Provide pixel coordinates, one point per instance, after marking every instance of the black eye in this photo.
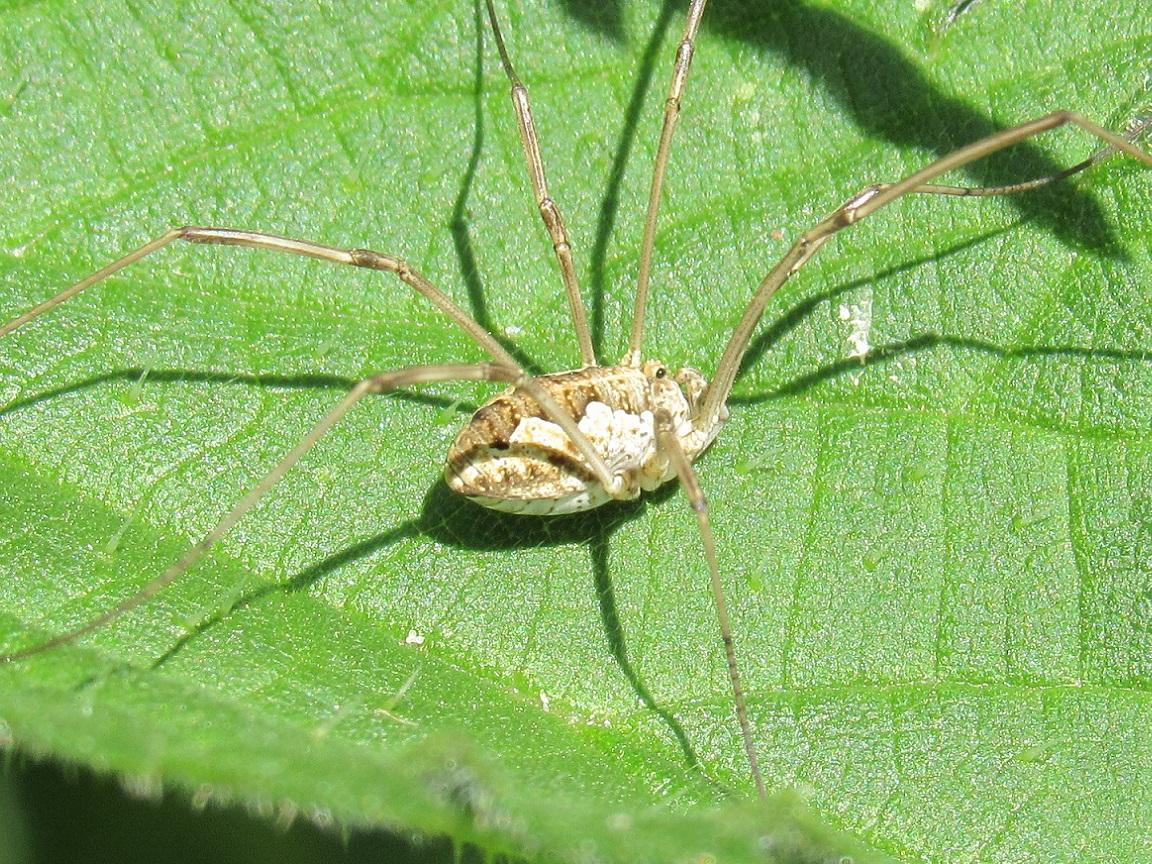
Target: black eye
(661, 372)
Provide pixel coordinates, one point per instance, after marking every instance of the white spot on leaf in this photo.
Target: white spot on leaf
(858, 316)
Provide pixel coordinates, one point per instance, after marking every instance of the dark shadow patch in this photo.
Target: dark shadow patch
(454, 521)
(603, 16)
(888, 96)
(618, 645)
(457, 522)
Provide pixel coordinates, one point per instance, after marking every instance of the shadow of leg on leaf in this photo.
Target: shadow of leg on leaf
(140, 377)
(617, 644)
(773, 331)
(301, 581)
(456, 522)
(459, 225)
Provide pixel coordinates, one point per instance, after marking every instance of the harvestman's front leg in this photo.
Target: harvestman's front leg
(258, 240)
(684, 53)
(368, 259)
(872, 198)
(549, 209)
(670, 444)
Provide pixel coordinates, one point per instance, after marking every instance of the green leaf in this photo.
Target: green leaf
(939, 557)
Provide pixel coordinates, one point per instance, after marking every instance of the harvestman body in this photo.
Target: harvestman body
(513, 458)
(575, 440)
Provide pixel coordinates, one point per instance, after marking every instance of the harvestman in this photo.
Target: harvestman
(571, 441)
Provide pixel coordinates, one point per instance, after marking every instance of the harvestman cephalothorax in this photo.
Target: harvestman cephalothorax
(571, 441)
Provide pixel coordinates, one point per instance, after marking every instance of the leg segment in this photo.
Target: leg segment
(259, 240)
(383, 383)
(872, 198)
(671, 114)
(1134, 132)
(549, 210)
(670, 444)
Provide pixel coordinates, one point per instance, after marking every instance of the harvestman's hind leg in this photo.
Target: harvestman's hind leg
(689, 481)
(872, 198)
(549, 209)
(382, 383)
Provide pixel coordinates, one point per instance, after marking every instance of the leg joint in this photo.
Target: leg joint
(553, 221)
(375, 261)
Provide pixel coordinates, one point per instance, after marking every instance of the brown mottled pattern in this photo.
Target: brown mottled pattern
(538, 469)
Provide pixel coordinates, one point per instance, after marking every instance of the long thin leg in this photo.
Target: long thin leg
(259, 240)
(1133, 133)
(358, 258)
(868, 201)
(549, 209)
(691, 483)
(671, 115)
(383, 383)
